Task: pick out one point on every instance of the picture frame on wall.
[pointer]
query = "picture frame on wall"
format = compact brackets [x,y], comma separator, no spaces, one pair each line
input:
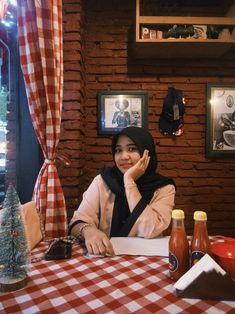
[220,120]
[120,109]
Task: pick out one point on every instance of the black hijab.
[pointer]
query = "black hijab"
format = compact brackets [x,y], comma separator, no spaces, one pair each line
[123,220]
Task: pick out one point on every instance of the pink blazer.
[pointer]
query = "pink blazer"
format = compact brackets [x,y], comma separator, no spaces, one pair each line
[97,208]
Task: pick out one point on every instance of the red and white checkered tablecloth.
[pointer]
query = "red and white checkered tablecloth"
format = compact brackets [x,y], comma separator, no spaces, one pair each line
[121,284]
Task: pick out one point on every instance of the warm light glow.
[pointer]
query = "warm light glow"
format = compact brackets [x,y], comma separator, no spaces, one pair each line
[3,8]
[213,101]
[6,16]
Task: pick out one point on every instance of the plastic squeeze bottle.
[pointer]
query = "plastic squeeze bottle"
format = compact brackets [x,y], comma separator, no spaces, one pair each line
[200,244]
[178,246]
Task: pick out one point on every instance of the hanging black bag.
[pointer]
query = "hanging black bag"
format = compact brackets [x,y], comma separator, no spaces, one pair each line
[171,118]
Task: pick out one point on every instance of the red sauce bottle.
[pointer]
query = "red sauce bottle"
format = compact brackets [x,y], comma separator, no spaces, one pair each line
[200,244]
[178,246]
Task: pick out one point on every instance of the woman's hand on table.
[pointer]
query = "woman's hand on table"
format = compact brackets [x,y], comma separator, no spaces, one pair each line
[97,242]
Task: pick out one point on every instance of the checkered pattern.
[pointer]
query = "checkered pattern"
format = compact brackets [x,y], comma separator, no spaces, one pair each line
[122,284]
[41,56]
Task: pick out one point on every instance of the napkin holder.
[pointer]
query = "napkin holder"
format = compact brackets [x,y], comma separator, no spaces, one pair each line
[206,280]
[210,285]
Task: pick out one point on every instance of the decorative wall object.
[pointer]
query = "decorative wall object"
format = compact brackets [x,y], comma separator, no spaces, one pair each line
[220,126]
[120,109]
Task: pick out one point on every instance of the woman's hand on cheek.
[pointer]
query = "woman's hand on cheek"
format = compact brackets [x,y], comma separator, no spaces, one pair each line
[97,242]
[139,168]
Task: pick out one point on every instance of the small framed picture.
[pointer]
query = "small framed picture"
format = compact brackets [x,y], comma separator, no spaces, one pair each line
[220,120]
[120,109]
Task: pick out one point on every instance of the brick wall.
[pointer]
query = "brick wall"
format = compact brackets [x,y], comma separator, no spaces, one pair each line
[72,142]
[97,57]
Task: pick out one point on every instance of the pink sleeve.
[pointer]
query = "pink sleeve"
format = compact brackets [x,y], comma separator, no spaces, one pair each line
[88,210]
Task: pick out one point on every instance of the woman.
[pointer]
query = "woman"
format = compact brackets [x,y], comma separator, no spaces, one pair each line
[129,199]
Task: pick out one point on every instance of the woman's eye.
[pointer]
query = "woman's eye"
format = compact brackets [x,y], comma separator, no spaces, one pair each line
[133,149]
[117,150]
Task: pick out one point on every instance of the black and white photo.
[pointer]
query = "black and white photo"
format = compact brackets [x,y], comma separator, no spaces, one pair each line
[220,133]
[120,109]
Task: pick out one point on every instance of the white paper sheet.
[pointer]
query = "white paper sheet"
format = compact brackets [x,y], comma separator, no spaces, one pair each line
[140,246]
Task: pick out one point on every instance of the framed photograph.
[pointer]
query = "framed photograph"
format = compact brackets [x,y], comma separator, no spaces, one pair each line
[220,120]
[120,109]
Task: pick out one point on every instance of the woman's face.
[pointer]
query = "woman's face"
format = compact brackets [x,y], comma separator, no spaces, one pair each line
[126,153]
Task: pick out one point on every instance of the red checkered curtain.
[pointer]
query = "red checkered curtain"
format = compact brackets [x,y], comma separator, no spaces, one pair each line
[41,57]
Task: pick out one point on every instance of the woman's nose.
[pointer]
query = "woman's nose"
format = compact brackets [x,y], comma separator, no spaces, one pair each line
[125,155]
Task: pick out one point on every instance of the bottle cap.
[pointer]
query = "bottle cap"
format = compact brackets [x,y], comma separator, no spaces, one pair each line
[177,214]
[200,215]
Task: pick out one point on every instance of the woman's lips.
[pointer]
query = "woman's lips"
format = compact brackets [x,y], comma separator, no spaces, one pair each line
[126,166]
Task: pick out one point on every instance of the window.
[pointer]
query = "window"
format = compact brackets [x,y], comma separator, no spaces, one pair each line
[5,91]
[20,153]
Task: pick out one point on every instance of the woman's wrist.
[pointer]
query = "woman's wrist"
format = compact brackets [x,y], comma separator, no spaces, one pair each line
[130,184]
[81,229]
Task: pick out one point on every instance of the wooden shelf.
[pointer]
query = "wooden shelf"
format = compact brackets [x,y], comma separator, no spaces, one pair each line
[181,48]
[186,20]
